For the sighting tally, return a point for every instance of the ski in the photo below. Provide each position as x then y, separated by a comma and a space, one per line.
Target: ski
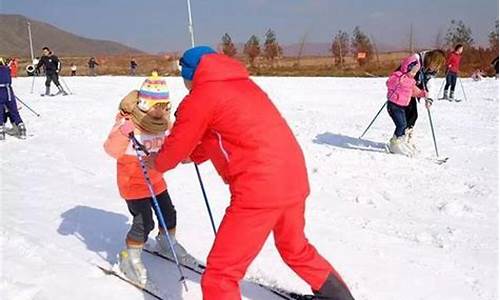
54, 95
451, 99
439, 161
195, 269
277, 291
112, 272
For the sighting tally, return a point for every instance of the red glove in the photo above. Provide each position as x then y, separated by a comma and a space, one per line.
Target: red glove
127, 127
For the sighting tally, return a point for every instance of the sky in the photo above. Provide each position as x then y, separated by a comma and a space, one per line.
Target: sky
161, 25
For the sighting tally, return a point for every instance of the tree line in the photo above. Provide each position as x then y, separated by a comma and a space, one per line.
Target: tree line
358, 45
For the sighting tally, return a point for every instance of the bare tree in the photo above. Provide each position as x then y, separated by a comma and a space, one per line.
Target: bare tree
458, 33
493, 38
301, 48
340, 47
228, 46
361, 46
271, 47
252, 49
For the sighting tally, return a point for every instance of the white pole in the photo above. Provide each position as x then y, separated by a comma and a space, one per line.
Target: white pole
190, 25
31, 41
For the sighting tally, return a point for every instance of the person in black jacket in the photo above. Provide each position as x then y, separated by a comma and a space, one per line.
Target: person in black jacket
92, 64
133, 67
51, 65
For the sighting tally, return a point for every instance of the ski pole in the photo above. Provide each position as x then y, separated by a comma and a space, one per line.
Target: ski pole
33, 83
432, 130
442, 86
376, 116
26, 105
463, 90
66, 85
138, 147
206, 199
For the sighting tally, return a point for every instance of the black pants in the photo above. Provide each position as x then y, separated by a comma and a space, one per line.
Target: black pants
52, 77
451, 80
143, 222
411, 112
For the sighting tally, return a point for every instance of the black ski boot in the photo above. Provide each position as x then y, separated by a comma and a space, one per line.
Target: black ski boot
333, 289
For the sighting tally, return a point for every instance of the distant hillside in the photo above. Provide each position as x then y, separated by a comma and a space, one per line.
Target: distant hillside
14, 40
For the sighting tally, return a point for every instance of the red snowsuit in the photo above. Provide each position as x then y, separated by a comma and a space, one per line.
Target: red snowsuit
228, 119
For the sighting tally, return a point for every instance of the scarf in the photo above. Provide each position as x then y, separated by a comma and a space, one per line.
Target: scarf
128, 108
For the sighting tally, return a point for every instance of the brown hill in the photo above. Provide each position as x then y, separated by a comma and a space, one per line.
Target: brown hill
14, 40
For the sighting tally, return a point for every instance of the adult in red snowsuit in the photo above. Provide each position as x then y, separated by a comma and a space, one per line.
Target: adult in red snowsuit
228, 119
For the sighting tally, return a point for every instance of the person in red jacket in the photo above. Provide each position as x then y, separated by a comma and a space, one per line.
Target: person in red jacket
453, 65
228, 119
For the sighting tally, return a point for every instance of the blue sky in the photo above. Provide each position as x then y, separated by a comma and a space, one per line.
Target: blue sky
161, 25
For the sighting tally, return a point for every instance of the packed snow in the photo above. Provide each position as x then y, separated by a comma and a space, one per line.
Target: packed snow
396, 228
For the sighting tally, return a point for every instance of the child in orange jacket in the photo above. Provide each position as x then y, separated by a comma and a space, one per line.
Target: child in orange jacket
146, 114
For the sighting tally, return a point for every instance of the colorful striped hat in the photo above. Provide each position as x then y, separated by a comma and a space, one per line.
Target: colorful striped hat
153, 90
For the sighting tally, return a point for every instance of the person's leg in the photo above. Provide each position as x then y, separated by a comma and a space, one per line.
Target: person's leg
447, 85
3, 112
453, 84
130, 258
3, 119
398, 116
168, 210
55, 78
11, 105
241, 236
397, 143
411, 113
303, 258
170, 217
142, 222
48, 80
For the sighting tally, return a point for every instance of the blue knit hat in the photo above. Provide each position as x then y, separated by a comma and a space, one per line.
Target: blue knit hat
191, 58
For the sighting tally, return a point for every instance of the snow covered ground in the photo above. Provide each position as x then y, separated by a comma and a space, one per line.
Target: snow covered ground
396, 228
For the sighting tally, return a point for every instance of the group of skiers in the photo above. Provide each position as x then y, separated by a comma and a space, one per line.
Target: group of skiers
228, 119
254, 151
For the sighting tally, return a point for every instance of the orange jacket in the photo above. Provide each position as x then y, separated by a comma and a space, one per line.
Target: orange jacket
131, 182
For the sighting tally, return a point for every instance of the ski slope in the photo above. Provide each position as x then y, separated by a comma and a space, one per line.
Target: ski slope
395, 227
